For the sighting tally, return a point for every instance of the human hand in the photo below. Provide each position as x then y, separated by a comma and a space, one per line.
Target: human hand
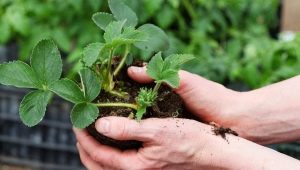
174, 144
267, 115
210, 101
167, 143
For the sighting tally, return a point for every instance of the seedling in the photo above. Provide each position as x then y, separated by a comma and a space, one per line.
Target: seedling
120, 36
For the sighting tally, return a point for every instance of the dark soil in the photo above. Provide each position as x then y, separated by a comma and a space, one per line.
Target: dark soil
222, 131
168, 104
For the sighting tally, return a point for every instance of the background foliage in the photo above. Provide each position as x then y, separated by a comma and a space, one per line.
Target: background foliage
233, 40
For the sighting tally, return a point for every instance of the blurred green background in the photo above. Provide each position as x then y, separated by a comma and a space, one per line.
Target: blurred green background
234, 41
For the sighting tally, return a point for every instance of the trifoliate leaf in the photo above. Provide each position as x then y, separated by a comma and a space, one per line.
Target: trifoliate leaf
68, 90
91, 53
167, 70
123, 12
18, 74
33, 107
46, 62
84, 114
102, 19
113, 30
157, 39
155, 66
91, 84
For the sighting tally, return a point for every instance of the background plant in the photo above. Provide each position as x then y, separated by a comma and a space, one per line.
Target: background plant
220, 33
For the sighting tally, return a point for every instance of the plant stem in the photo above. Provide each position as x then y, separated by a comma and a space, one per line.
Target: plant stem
110, 76
132, 106
121, 64
119, 94
156, 87
111, 53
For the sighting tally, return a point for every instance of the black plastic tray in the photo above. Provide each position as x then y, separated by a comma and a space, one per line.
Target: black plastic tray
49, 145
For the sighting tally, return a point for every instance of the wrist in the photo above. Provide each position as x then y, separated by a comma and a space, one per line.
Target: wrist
232, 154
238, 153
239, 114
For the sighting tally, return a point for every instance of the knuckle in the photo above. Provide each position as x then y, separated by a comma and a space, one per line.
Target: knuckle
117, 163
95, 156
123, 133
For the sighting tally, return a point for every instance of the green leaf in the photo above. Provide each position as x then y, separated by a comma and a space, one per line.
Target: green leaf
33, 107
91, 84
68, 90
155, 66
84, 114
46, 62
157, 39
171, 77
131, 33
113, 30
18, 74
167, 70
166, 16
16, 16
91, 53
128, 36
140, 112
102, 19
123, 12
174, 61
62, 39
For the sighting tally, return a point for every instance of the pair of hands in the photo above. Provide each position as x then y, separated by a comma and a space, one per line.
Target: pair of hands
181, 143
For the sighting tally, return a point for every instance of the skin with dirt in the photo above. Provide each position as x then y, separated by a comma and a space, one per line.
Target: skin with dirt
222, 131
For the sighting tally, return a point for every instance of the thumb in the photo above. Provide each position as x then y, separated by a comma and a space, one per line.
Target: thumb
188, 80
139, 74
121, 128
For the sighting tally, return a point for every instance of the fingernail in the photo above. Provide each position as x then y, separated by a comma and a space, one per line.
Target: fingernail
104, 126
137, 69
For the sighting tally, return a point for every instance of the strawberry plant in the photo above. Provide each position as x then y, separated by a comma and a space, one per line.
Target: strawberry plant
121, 36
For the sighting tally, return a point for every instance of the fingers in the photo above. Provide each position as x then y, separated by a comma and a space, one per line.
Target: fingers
122, 128
87, 161
139, 74
103, 154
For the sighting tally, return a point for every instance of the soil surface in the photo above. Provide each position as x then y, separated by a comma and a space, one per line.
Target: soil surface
168, 104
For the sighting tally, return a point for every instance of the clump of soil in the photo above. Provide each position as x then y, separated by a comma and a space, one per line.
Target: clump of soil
222, 131
168, 104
